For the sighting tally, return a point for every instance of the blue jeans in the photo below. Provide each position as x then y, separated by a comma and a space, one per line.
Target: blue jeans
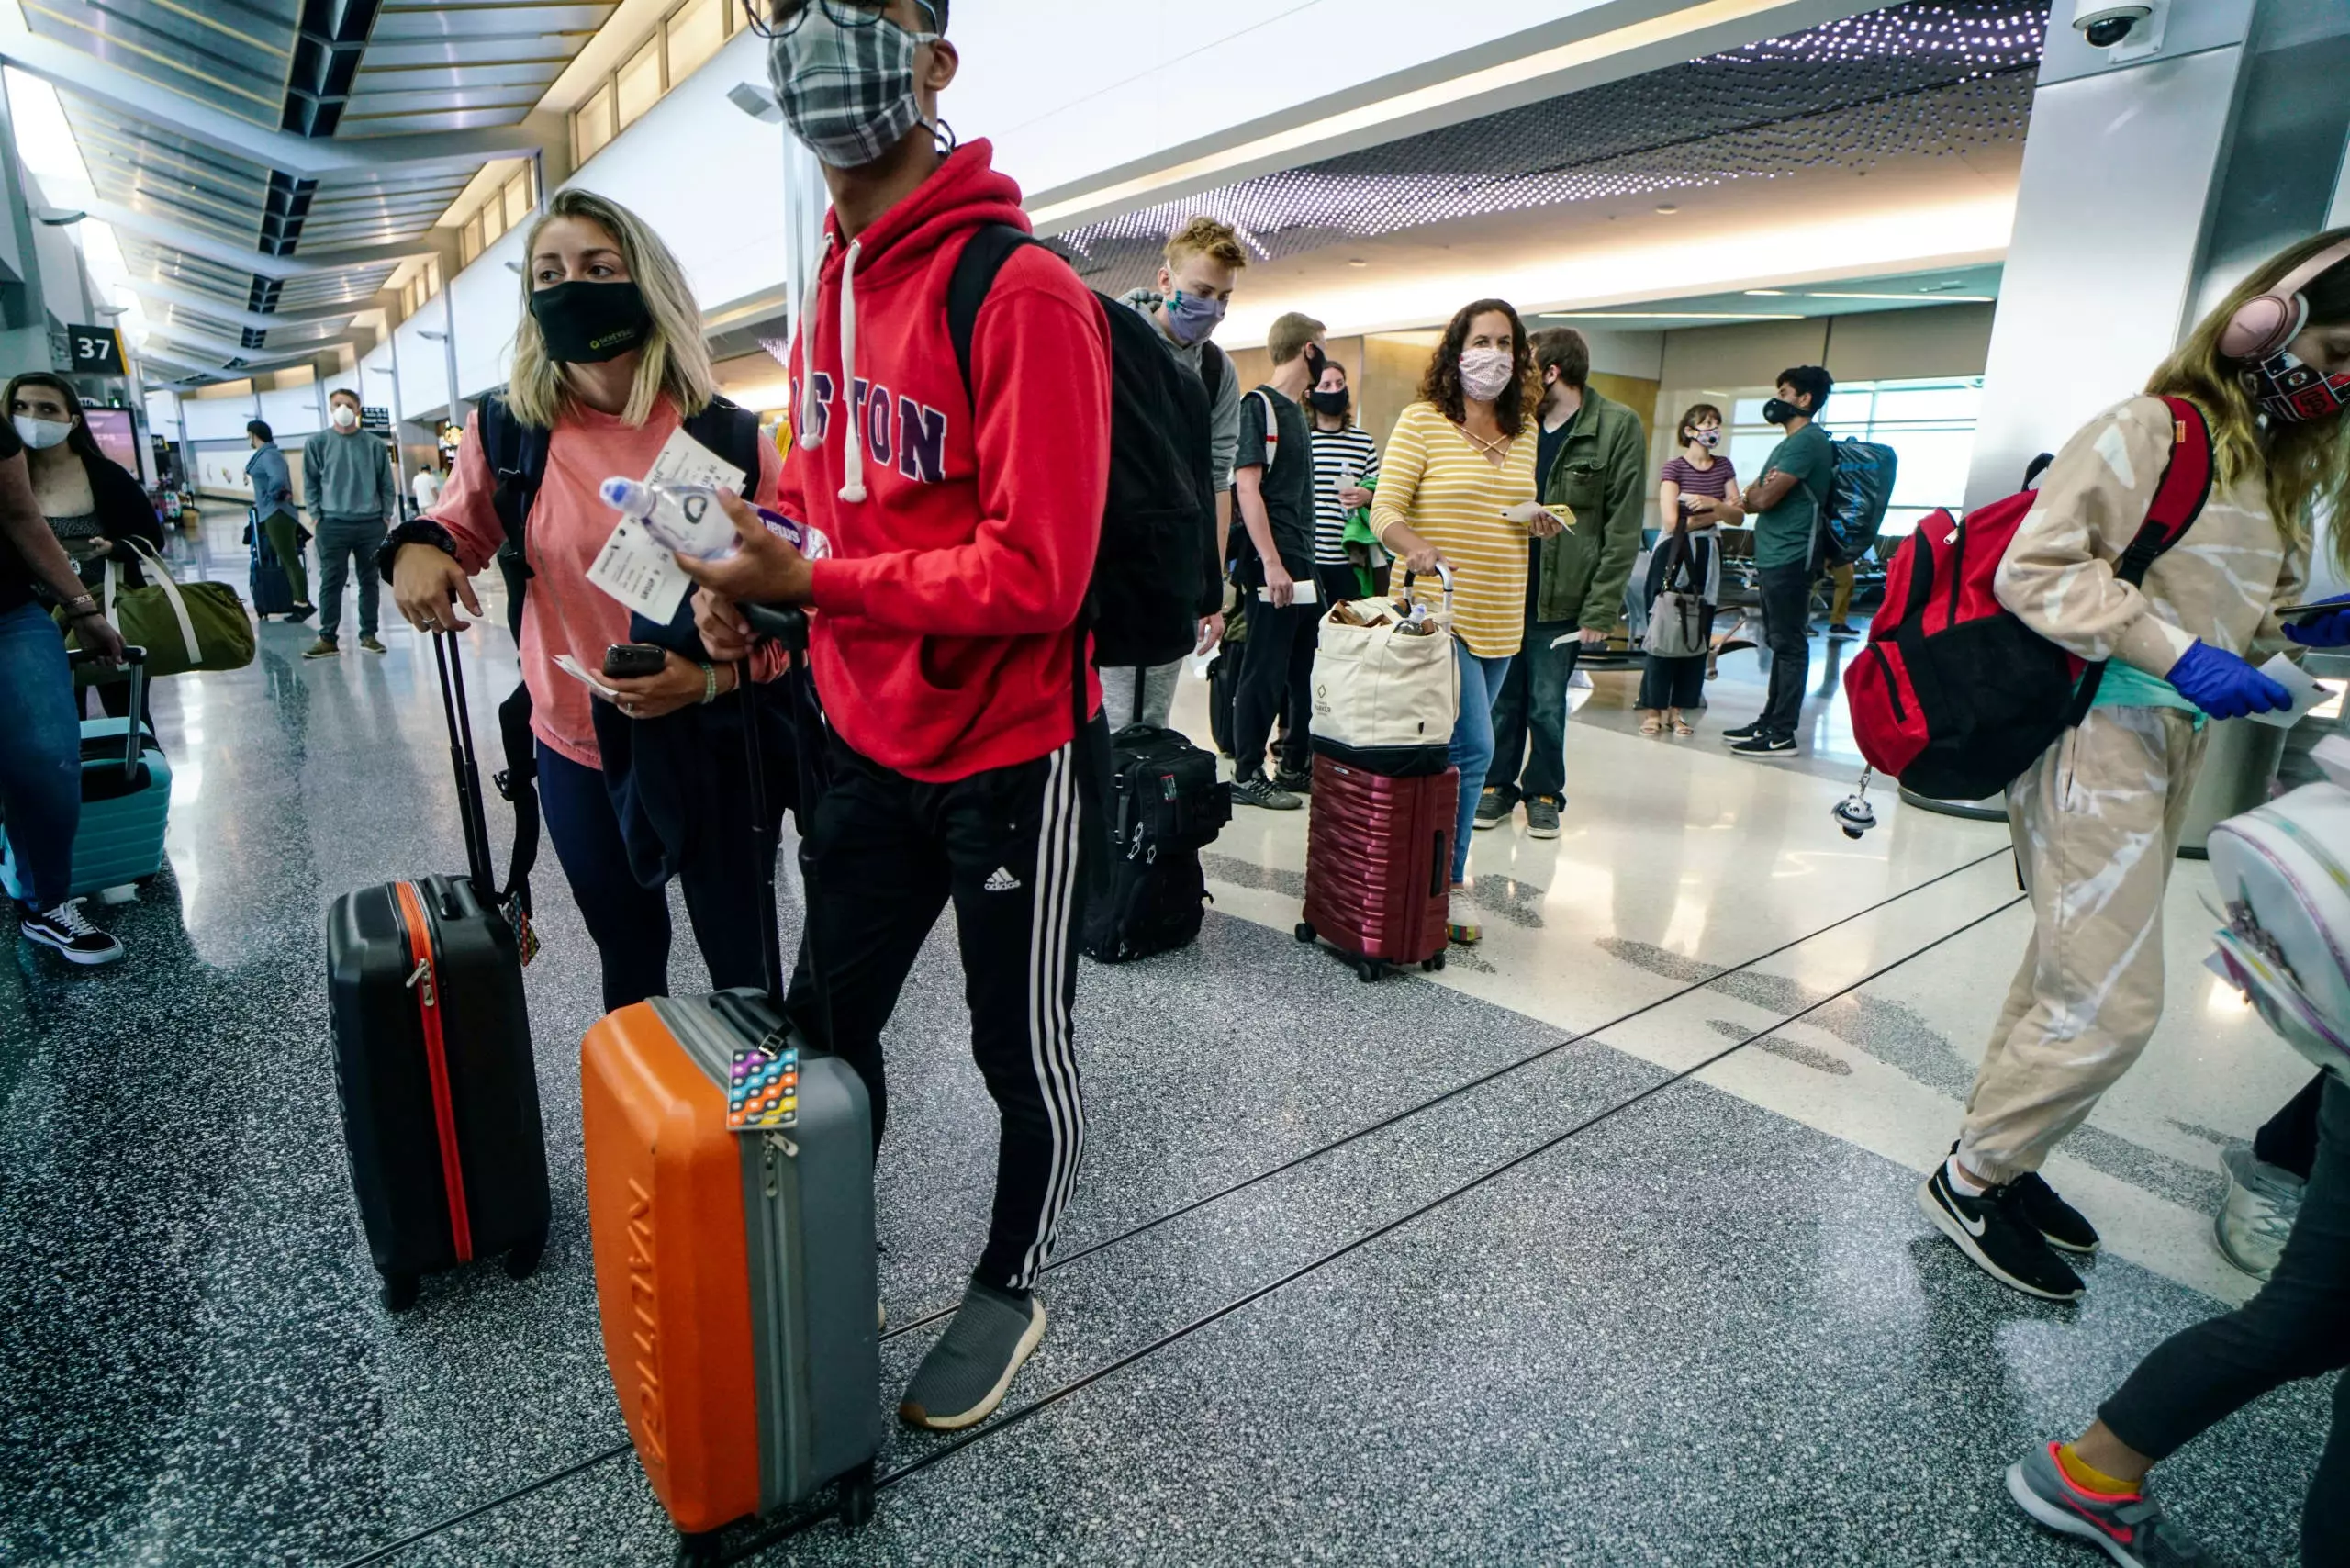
1472, 740
629, 921
41, 754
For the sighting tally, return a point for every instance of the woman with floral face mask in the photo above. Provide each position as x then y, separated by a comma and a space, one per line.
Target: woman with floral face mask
1461, 457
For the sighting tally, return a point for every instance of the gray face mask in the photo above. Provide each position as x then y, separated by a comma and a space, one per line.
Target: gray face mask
846, 91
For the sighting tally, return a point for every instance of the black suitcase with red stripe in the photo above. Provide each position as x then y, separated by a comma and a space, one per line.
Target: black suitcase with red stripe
432, 1058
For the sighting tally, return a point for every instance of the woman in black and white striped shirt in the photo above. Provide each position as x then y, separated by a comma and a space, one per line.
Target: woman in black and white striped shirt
1346, 464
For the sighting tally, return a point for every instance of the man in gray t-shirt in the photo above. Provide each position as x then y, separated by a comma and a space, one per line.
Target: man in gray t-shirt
352, 495
1204, 263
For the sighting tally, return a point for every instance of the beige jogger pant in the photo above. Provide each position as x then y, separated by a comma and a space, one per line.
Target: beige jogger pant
2096, 823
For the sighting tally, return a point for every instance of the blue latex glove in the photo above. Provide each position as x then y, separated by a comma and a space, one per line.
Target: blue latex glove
2331, 630
2224, 686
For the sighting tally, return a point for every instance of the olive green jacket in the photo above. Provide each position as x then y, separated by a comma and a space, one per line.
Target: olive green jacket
1601, 474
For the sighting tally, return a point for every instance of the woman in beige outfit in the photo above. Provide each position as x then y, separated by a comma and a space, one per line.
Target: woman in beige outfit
2096, 820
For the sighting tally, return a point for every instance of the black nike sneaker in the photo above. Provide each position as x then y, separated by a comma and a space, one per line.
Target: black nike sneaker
1997, 1233
2064, 1226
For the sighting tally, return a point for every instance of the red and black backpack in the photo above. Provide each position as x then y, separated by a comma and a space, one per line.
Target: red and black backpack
1953, 694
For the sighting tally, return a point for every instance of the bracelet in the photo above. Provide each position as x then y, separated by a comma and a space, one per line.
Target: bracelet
708, 684
80, 607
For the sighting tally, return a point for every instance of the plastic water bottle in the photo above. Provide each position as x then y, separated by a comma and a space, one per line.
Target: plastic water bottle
689, 520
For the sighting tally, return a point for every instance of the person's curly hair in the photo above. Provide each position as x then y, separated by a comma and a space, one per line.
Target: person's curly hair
1441, 383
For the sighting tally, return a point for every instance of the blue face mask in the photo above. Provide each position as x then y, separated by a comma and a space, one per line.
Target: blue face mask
1191, 317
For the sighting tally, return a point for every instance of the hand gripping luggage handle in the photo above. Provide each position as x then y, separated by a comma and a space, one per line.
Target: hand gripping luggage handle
1444, 570
136, 658
461, 757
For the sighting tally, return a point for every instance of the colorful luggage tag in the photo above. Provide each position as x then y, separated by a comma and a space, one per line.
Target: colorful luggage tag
763, 1088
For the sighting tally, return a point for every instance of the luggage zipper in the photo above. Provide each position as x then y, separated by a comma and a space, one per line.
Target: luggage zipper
418, 923
776, 1143
1892, 687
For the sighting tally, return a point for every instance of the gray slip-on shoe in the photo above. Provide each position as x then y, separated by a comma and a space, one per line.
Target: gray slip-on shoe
966, 1374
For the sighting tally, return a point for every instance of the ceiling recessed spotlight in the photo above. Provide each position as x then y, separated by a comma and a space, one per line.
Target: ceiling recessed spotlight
1667, 206
1767, 293
1356, 262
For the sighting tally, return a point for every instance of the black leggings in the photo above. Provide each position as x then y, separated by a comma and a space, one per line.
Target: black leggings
2289, 1139
2293, 1329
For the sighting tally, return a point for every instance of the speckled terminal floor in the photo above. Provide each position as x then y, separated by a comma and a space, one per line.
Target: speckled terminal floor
1596, 1248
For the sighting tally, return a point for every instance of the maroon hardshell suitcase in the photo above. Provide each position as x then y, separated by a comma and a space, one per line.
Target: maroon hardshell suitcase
1378, 864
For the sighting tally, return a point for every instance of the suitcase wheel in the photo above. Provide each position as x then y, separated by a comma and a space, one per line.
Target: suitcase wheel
1304, 932
398, 1292
1432, 965
695, 1549
856, 1497
1368, 970
522, 1262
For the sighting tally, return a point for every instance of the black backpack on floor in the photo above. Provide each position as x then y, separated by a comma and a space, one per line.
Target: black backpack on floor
1165, 803
1156, 575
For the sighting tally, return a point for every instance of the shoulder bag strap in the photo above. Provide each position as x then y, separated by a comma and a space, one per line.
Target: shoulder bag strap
170, 587
984, 254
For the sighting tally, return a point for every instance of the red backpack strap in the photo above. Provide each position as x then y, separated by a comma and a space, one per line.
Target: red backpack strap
2178, 499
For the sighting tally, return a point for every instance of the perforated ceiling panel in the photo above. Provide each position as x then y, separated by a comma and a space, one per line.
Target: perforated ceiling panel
1932, 77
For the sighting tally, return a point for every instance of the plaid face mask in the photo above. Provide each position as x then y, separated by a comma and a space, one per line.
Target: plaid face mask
847, 92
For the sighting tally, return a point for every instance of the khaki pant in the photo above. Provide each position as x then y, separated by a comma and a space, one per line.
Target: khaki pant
2096, 823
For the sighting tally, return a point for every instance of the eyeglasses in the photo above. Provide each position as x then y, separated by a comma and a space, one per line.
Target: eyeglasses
780, 18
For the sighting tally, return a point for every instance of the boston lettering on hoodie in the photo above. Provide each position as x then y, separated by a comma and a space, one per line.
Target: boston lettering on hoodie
963, 538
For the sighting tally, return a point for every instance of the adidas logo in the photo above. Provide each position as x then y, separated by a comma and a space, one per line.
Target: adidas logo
1003, 881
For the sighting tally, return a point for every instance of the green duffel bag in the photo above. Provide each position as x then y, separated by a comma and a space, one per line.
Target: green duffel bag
183, 626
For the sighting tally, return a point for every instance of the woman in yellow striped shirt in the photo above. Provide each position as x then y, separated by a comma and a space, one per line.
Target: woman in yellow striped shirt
1461, 457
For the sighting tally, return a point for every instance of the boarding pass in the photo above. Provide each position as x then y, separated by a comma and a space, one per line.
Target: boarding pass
637, 569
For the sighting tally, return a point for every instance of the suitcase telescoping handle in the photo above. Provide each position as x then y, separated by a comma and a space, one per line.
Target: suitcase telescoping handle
788, 626
136, 658
450, 660
1443, 570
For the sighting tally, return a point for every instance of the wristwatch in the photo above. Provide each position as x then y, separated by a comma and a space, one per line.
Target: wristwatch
81, 607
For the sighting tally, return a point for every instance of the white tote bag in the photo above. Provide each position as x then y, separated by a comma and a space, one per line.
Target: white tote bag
1387, 687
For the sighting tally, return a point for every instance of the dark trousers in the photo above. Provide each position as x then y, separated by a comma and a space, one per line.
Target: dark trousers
884, 855
1530, 715
1786, 632
629, 921
1276, 675
2289, 1139
2292, 1330
345, 543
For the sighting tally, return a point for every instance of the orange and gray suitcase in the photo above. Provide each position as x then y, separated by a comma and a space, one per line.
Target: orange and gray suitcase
432, 1057
735, 1272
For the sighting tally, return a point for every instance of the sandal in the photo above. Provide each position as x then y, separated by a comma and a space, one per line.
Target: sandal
1652, 725
1683, 728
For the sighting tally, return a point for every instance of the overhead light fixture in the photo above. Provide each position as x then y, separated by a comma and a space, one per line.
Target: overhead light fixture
1910, 299
58, 216
1356, 262
1665, 315
1767, 293
1667, 206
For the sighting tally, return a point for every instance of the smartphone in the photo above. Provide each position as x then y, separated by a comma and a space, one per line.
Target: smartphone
629, 661
2300, 612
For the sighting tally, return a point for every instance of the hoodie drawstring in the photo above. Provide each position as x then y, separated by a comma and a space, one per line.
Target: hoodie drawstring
854, 490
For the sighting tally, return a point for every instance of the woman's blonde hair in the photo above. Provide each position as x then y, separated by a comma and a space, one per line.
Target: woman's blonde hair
674, 358
2304, 464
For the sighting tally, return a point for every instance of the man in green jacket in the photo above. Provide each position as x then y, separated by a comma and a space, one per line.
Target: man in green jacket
1592, 458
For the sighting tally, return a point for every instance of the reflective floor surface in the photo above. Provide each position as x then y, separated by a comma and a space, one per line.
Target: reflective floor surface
1597, 1247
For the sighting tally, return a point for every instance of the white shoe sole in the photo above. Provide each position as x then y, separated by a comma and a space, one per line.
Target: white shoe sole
87, 961
1964, 1241
986, 1407
2052, 1517
1481, 824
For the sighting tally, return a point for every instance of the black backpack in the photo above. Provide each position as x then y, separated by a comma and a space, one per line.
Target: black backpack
1166, 801
517, 455
1156, 575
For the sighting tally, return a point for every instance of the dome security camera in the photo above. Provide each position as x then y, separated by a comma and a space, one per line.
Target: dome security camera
2109, 26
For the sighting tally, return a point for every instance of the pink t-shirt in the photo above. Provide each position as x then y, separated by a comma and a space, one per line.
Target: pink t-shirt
563, 613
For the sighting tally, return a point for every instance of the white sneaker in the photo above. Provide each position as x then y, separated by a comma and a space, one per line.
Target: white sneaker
1461, 919
2258, 1212
67, 930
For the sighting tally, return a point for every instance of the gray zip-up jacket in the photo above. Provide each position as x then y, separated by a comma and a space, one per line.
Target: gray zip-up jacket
349, 476
1224, 417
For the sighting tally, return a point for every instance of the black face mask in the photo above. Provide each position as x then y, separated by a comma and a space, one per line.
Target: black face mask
1331, 403
1315, 363
588, 323
1778, 411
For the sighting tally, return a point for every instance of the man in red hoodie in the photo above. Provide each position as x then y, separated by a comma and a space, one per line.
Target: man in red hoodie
947, 640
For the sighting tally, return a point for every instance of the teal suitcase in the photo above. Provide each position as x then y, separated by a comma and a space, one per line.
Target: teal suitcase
126, 802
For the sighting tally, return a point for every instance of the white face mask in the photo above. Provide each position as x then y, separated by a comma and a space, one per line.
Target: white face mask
41, 434
1485, 373
344, 416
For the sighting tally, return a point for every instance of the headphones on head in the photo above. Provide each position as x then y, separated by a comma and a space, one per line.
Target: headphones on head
2262, 326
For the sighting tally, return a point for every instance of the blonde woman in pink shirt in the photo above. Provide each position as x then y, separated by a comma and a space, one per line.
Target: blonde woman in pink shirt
609, 362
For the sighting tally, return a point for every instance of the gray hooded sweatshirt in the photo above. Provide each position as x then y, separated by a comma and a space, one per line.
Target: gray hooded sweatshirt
1223, 420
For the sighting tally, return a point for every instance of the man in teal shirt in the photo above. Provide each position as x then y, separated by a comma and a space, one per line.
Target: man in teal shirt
353, 495
1785, 504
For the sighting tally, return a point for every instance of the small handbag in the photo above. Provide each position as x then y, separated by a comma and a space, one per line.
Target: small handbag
183, 626
1676, 627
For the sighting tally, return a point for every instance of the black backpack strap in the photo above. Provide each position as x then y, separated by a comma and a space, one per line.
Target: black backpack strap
984, 254
517, 455
1214, 366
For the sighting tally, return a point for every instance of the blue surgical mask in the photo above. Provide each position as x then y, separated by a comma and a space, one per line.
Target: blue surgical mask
1191, 318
